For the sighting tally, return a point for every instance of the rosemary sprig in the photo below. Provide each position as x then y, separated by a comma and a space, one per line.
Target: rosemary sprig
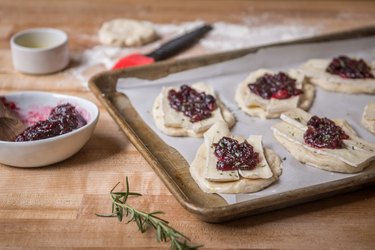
144, 221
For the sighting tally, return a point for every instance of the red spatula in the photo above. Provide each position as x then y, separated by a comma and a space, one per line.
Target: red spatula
165, 51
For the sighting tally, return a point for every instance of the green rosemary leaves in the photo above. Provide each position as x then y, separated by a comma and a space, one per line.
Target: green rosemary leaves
144, 221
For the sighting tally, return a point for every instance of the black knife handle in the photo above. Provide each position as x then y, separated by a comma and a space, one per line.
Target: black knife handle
180, 43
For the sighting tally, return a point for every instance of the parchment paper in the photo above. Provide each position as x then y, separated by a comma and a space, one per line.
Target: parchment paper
226, 76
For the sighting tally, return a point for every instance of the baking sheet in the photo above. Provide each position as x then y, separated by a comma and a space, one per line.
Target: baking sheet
226, 76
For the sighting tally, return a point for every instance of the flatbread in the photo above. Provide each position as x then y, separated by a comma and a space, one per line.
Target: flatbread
315, 70
127, 32
243, 92
173, 131
317, 160
368, 117
197, 171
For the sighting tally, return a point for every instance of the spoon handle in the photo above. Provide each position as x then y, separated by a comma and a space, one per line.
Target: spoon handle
10, 124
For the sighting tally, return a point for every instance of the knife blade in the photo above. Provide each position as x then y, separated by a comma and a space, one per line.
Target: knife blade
166, 50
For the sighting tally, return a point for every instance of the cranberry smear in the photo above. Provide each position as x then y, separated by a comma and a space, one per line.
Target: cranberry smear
346, 67
62, 119
324, 133
278, 86
232, 155
197, 106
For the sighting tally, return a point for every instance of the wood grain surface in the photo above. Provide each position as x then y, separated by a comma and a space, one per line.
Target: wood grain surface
55, 206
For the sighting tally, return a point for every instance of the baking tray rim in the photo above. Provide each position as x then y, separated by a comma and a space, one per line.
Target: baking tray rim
106, 93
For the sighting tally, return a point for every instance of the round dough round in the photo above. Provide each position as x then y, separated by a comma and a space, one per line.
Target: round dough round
315, 70
127, 32
368, 117
317, 160
157, 114
243, 185
243, 92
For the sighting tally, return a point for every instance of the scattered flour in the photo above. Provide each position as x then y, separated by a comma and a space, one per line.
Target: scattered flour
227, 36
223, 37
98, 55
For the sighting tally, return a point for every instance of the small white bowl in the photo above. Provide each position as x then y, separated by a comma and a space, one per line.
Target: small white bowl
34, 106
40, 50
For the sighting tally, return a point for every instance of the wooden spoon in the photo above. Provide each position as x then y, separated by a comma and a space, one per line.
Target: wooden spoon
10, 124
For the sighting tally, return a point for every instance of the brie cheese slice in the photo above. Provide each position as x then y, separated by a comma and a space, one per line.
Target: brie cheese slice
296, 117
172, 118
368, 117
277, 105
369, 112
262, 169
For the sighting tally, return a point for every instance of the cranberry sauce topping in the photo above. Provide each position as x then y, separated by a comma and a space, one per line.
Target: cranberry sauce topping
232, 155
324, 133
197, 106
278, 86
346, 67
62, 119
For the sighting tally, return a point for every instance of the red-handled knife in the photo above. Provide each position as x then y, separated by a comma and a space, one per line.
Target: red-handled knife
165, 51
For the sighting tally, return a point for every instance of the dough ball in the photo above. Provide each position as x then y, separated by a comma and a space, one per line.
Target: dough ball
127, 32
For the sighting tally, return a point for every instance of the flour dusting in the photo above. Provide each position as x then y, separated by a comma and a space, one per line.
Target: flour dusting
227, 36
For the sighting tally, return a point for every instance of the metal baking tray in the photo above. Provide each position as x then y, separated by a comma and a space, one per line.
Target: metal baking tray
173, 169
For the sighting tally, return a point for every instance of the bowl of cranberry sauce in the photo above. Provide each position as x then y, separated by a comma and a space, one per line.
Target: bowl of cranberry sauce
57, 127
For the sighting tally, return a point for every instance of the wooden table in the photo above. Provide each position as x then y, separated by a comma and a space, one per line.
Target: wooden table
55, 206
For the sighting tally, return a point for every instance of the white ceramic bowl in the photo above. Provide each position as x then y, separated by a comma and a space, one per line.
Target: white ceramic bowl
34, 106
40, 50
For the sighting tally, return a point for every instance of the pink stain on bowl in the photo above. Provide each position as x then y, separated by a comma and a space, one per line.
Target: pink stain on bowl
35, 114
85, 114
